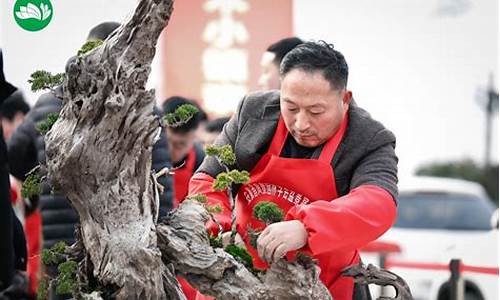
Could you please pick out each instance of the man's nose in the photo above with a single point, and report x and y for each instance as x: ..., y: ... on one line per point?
x: 302, y: 122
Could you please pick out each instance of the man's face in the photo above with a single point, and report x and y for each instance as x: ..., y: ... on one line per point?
x: 270, y: 76
x: 179, y: 144
x: 9, y: 126
x: 311, y: 109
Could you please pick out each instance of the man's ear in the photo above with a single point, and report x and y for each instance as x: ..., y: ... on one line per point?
x: 347, y: 97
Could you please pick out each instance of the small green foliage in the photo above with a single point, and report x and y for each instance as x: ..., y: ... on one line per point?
x: 268, y: 212
x: 222, y: 182
x: 181, y: 115
x: 240, y: 254
x: 215, y: 209
x: 44, y: 126
x: 215, y: 242
x: 224, y: 153
x: 212, y: 150
x: 253, y: 236
x: 42, y: 291
x: 239, y: 177
x: 89, y: 46
x: 31, y: 186
x: 199, y: 197
x: 53, y: 255
x: 45, y: 80
x: 66, y: 280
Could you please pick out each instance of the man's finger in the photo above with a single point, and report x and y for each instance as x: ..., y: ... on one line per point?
x: 270, y: 248
x: 262, y: 242
x: 280, y: 252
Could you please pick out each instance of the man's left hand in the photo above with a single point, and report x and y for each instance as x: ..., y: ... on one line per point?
x: 279, y: 238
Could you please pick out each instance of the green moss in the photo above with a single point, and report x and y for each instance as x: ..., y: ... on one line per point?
x: 66, y: 280
x: 54, y: 255
x: 89, y: 46
x: 215, y: 242
x: 213, y: 209
x: 31, y: 186
x: 181, y: 115
x: 268, y: 212
x: 44, y: 126
x: 239, y: 177
x: 199, y: 198
x: 45, y: 80
x: 222, y: 182
x: 240, y: 254
x: 224, y: 153
x: 42, y: 291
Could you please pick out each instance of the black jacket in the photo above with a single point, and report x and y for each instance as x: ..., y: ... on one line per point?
x: 26, y: 149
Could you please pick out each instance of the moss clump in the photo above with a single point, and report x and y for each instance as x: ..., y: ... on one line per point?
x: 268, y: 212
x: 44, y: 126
x: 89, y: 46
x: 31, y: 186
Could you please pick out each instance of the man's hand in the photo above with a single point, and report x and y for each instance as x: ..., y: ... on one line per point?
x: 279, y: 238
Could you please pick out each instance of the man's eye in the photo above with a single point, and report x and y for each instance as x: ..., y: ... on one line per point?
x: 294, y: 110
x: 316, y: 113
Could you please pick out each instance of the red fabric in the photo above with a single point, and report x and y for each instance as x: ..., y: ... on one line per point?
x: 13, y: 195
x: 33, y: 228
x: 306, y: 191
x: 182, y: 176
x: 201, y: 183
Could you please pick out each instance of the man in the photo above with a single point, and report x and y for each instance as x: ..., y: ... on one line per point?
x: 271, y: 60
x: 27, y: 149
x: 186, y: 155
x: 322, y: 159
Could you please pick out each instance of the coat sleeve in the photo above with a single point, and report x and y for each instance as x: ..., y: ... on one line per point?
x: 361, y: 216
x: 202, y: 180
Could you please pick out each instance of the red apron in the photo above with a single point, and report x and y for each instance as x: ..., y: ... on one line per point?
x: 182, y: 177
x: 289, y: 182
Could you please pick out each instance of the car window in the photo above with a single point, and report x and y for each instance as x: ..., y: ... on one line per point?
x: 444, y: 211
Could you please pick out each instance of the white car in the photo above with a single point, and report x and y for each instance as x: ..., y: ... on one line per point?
x: 438, y: 220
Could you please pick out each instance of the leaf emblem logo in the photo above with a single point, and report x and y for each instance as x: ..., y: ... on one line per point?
x: 31, y: 11
x: 33, y: 15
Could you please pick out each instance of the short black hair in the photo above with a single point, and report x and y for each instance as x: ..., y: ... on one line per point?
x: 282, y: 47
x: 14, y: 104
x: 318, y: 56
x: 215, y: 126
x: 172, y: 103
x: 102, y: 31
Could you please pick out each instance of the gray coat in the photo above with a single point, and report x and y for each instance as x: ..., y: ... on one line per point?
x: 365, y: 155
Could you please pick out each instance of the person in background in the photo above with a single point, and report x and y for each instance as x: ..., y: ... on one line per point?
x: 212, y: 129
x: 13, y: 254
x: 12, y: 113
x: 185, y: 153
x: 271, y: 60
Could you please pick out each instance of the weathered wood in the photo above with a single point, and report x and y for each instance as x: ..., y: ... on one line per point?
x: 99, y: 154
x: 183, y: 240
